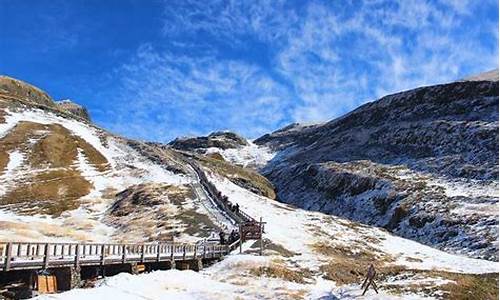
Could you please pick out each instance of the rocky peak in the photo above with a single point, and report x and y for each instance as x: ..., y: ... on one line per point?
x: 20, y: 90
x: 14, y: 89
x: 73, y: 108
x: 219, y: 139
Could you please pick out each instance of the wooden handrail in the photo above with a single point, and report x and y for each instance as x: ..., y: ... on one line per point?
x: 40, y: 255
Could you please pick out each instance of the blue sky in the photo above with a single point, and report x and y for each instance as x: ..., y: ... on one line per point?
x: 155, y: 70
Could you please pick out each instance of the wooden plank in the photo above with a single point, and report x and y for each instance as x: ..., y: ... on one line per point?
x: 158, y: 252
x: 8, y: 256
x: 77, y: 256
x: 19, y: 246
x: 261, y: 243
x: 124, y: 253
x: 103, y: 253
x: 46, y: 256
x: 46, y: 284
x: 140, y: 268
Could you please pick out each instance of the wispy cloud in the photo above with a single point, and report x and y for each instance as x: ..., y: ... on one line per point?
x: 170, y: 95
x: 307, y: 62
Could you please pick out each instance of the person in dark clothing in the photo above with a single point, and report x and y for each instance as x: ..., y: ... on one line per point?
x: 233, y: 236
x: 222, y: 237
x: 237, y: 208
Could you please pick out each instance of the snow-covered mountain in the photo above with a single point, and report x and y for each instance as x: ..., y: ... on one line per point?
x: 421, y: 163
x: 64, y: 178
x: 310, y: 255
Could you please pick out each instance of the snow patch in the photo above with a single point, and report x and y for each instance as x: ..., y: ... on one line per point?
x: 250, y: 155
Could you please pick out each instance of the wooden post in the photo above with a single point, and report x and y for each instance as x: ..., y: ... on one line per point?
x: 103, y: 254
x: 28, y: 251
x: 194, y: 254
x: 77, y: 256
x: 158, y: 250
x: 124, y: 253
x: 184, y: 252
x: 46, y: 256
x: 204, y: 250
x: 261, y: 243
x: 8, y: 256
x: 241, y: 239
x: 142, y: 253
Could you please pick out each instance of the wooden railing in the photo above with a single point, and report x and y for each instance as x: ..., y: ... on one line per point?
x: 239, y: 216
x: 20, y: 255
x: 36, y: 255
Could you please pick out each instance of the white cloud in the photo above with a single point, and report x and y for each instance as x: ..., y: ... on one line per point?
x: 178, y: 95
x: 382, y: 47
x: 325, y: 59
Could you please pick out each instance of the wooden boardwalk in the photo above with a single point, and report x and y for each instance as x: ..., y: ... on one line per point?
x: 20, y: 261
x: 23, y: 256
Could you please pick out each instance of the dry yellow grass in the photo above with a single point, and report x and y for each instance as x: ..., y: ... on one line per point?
x: 216, y: 156
x: 52, y: 193
x: 52, y: 150
x: 157, y: 211
x: 38, y: 230
x: 55, y: 146
x: 281, y: 272
x: 2, y: 116
x: 347, y: 266
x: 471, y: 286
x: 241, y: 176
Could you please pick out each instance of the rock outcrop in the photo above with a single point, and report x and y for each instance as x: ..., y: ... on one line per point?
x: 73, y: 108
x: 220, y: 139
x: 17, y: 89
x: 421, y: 163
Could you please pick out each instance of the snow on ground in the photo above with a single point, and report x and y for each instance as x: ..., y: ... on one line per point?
x: 174, y: 284
x: 295, y: 230
x: 289, y: 227
x: 16, y: 159
x: 251, y: 155
x: 118, y: 155
x: 127, y: 167
x: 467, y: 188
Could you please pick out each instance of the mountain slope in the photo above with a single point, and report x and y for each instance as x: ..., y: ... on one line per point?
x: 310, y: 255
x: 63, y: 178
x: 421, y: 163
